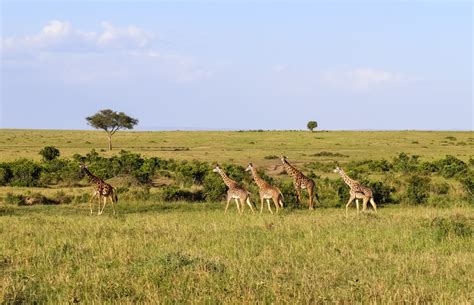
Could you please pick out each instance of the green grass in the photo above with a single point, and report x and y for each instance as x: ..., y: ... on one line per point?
x: 243, y: 147
x: 193, y: 253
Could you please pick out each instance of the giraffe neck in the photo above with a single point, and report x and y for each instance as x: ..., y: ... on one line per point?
x: 229, y: 182
x: 290, y: 169
x: 93, y: 179
x: 260, y: 182
x: 346, y: 178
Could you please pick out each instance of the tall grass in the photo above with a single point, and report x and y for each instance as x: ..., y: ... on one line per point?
x: 194, y: 253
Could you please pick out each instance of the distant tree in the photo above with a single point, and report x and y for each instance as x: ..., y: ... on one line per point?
x: 312, y: 125
x: 49, y: 153
x: 111, y: 121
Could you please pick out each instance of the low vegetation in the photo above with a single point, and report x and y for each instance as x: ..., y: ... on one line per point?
x: 172, y: 243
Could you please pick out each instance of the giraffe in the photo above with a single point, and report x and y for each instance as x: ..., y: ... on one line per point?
x: 267, y: 191
x: 358, y: 191
x: 235, y: 191
x: 101, y: 189
x: 300, y: 182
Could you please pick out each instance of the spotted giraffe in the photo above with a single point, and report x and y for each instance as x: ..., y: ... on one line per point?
x: 101, y: 190
x: 235, y: 191
x: 300, y: 182
x: 358, y: 191
x: 267, y: 191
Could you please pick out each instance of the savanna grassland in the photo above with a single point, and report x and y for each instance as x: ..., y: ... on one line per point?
x: 191, y: 252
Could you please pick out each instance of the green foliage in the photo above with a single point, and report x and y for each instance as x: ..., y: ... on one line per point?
x: 174, y: 193
x: 5, y: 174
x: 418, y: 189
x: 382, y: 192
x: 213, y: 187
x: 405, y: 163
x: 312, y: 125
x: 49, y: 153
x: 451, y: 166
x: 111, y: 122
x: 468, y: 184
x: 25, y: 173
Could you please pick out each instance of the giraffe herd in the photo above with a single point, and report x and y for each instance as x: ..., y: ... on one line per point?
x: 241, y: 196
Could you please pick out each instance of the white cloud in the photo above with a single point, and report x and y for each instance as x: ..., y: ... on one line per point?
x: 361, y: 79
x: 62, y: 36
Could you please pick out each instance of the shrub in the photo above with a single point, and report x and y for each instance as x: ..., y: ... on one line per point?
x: 25, y: 173
x: 451, y: 166
x: 270, y: 157
x: 213, y: 187
x: 49, y: 153
x: 405, y: 163
x: 5, y: 174
x: 174, y: 193
x: 382, y: 193
x: 418, y: 189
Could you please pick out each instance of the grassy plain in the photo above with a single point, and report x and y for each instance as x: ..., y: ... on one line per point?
x: 242, y: 147
x: 193, y: 253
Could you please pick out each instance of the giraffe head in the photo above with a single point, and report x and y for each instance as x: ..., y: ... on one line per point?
x: 217, y: 169
x: 283, y: 159
x: 249, y: 168
x: 83, y: 166
x: 337, y: 169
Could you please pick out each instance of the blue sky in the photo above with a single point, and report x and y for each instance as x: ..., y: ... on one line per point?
x: 238, y: 65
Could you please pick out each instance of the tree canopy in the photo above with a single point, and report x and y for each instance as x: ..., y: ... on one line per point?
x: 111, y: 121
x: 312, y: 125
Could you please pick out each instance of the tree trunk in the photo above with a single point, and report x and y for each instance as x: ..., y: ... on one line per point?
x: 110, y: 142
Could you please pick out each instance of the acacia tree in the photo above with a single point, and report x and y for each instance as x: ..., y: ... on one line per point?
x: 111, y: 122
x: 312, y: 125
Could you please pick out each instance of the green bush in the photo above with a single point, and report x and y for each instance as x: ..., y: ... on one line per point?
x: 174, y: 193
x: 5, y: 174
x: 418, y: 189
x: 213, y: 187
x: 405, y: 163
x: 25, y: 173
x: 382, y: 193
x: 49, y: 153
x: 451, y: 167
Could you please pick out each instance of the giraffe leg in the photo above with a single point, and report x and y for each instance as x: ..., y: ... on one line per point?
x: 310, y: 194
x: 238, y: 205
x: 349, y: 203
x: 364, y: 203
x: 357, y: 205
x: 268, y: 204
x: 250, y: 204
x: 298, y: 194
x: 261, y: 204
x: 228, y: 202
x: 103, y: 207
x: 90, y: 201
x: 100, y: 202
x: 372, y: 202
x: 276, y: 203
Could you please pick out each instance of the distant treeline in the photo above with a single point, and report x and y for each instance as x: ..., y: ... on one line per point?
x: 404, y: 179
